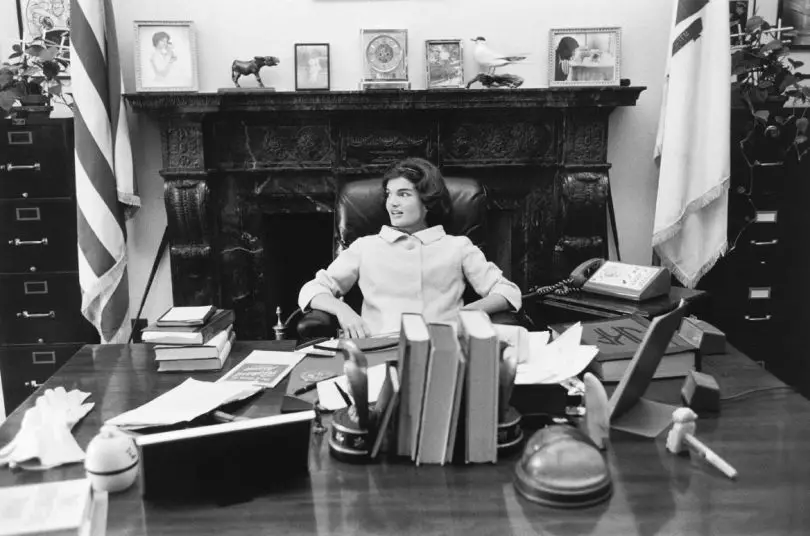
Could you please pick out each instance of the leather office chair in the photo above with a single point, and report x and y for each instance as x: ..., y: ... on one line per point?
x: 360, y: 211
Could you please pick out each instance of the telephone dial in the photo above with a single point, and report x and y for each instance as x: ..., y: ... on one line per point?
x: 614, y: 279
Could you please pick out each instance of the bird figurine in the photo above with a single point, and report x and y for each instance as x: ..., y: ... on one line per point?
x: 488, y: 60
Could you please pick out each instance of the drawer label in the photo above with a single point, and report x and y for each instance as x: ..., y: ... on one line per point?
x: 43, y: 358
x: 759, y: 293
x: 36, y: 287
x: 20, y: 137
x: 28, y: 214
x: 766, y: 216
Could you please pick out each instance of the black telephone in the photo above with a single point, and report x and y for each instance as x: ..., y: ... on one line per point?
x: 614, y: 279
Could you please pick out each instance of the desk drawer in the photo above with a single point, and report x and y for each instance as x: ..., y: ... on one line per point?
x: 42, y: 308
x: 40, y: 233
x: 35, y: 162
x: 24, y: 368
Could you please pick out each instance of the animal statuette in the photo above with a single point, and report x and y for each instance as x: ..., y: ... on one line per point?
x: 597, y: 419
x: 682, y: 436
x: 244, y: 68
x: 488, y: 59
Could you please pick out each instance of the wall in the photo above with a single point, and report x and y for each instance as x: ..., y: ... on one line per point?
x: 243, y: 28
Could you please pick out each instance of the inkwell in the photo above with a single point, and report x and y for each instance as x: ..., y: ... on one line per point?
x: 351, y: 433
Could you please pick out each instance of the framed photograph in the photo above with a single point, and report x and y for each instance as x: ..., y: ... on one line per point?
x: 312, y: 66
x: 796, y: 13
x: 165, y: 56
x: 444, y: 64
x: 584, y: 56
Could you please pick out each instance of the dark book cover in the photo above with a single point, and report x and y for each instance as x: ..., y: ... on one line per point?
x: 620, y: 337
x: 225, y: 463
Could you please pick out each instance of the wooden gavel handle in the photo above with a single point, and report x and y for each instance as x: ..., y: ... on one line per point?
x: 710, y: 456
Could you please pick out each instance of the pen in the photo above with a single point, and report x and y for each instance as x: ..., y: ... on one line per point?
x: 221, y: 416
x: 310, y: 386
x: 312, y: 342
x: 343, y: 394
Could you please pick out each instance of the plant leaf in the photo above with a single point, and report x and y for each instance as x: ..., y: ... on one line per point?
x: 754, y: 23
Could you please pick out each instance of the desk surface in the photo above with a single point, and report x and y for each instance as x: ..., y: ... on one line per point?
x: 765, y: 435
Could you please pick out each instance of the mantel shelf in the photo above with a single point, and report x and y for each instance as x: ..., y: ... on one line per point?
x: 252, y: 100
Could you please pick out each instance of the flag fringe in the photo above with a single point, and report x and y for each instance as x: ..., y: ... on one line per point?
x: 691, y: 282
x: 706, y: 199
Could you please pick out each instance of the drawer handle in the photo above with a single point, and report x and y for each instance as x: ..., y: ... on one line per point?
x: 26, y: 314
x: 757, y: 318
x: 25, y: 167
x: 17, y: 242
x: 766, y: 243
x: 33, y: 383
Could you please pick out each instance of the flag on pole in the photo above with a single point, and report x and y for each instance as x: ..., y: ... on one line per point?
x: 692, y: 145
x: 106, y: 193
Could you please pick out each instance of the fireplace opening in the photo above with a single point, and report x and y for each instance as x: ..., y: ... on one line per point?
x: 296, y: 246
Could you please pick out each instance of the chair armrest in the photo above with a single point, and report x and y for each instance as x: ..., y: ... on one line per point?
x: 314, y: 324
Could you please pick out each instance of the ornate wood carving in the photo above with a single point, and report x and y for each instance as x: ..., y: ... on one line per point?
x: 235, y: 161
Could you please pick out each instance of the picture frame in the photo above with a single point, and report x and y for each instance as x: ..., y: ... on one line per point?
x: 165, y: 56
x: 47, y: 20
x: 796, y: 13
x: 312, y: 66
x: 584, y: 56
x: 444, y: 63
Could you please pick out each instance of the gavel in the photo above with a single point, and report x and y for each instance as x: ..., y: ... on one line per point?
x: 682, y: 436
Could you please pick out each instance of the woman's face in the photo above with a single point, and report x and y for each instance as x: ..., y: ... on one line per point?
x: 405, y: 208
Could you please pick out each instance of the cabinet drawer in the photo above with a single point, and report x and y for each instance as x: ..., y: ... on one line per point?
x: 42, y: 308
x: 24, y: 368
x: 40, y: 233
x: 35, y: 162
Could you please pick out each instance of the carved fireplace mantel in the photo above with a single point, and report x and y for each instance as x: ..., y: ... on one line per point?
x: 232, y: 160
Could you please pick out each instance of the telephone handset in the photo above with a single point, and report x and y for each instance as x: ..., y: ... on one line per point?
x: 614, y: 279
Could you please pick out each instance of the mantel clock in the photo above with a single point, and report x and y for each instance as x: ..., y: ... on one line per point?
x: 385, y: 59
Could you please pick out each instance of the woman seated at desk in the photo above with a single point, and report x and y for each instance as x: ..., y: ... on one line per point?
x: 411, y: 265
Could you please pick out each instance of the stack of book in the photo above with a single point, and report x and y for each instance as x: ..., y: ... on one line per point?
x: 191, y: 338
x: 448, y: 408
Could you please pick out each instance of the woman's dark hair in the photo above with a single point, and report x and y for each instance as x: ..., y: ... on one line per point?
x: 429, y: 184
x: 566, y: 47
x: 158, y: 36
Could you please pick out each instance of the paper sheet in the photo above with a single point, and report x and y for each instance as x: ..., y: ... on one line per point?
x: 330, y: 398
x: 263, y: 368
x: 544, y: 362
x: 185, y: 314
x: 185, y: 402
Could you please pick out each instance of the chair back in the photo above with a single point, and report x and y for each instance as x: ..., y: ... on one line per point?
x: 360, y: 211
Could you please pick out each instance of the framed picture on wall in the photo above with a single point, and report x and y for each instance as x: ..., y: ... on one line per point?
x: 312, y: 66
x: 584, y: 56
x: 165, y: 56
x: 796, y: 13
x: 444, y: 64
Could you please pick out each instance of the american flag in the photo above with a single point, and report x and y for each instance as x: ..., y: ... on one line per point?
x: 106, y: 192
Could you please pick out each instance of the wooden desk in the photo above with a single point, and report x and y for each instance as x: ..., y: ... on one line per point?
x: 766, y: 436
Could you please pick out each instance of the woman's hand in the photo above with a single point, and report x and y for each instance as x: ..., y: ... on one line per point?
x: 352, y: 324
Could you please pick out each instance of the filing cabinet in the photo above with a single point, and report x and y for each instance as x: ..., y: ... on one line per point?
x: 41, y: 325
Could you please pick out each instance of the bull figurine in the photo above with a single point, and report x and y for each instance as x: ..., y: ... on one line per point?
x: 244, y: 68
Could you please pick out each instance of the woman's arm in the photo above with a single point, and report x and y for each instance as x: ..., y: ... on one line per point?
x: 494, y: 303
x: 498, y: 293
x: 352, y: 323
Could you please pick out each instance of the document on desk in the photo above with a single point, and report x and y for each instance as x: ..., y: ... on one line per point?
x: 263, y: 368
x: 185, y: 402
x: 556, y: 361
x: 331, y: 399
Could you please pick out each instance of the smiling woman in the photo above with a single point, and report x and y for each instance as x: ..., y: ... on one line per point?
x: 411, y: 265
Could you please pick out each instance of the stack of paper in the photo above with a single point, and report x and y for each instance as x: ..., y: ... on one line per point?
x: 187, y: 401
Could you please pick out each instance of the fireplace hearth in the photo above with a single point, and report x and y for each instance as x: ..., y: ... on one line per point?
x: 250, y: 179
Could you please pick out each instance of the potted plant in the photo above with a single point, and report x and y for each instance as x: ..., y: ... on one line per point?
x: 766, y: 78
x: 34, y: 74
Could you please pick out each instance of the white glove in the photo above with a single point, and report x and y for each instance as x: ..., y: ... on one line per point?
x: 44, y: 439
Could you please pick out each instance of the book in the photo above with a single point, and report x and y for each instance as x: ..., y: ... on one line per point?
x: 412, y: 360
x: 200, y: 363
x: 209, y: 349
x: 50, y: 508
x: 222, y: 461
x: 221, y: 319
x: 444, y: 371
x: 264, y: 368
x: 186, y: 316
x: 480, y: 343
x: 619, y: 338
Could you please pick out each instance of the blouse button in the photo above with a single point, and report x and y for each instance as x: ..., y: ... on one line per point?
x: 409, y: 246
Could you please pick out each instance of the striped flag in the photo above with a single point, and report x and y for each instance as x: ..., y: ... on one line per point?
x: 106, y: 193
x: 691, y: 213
